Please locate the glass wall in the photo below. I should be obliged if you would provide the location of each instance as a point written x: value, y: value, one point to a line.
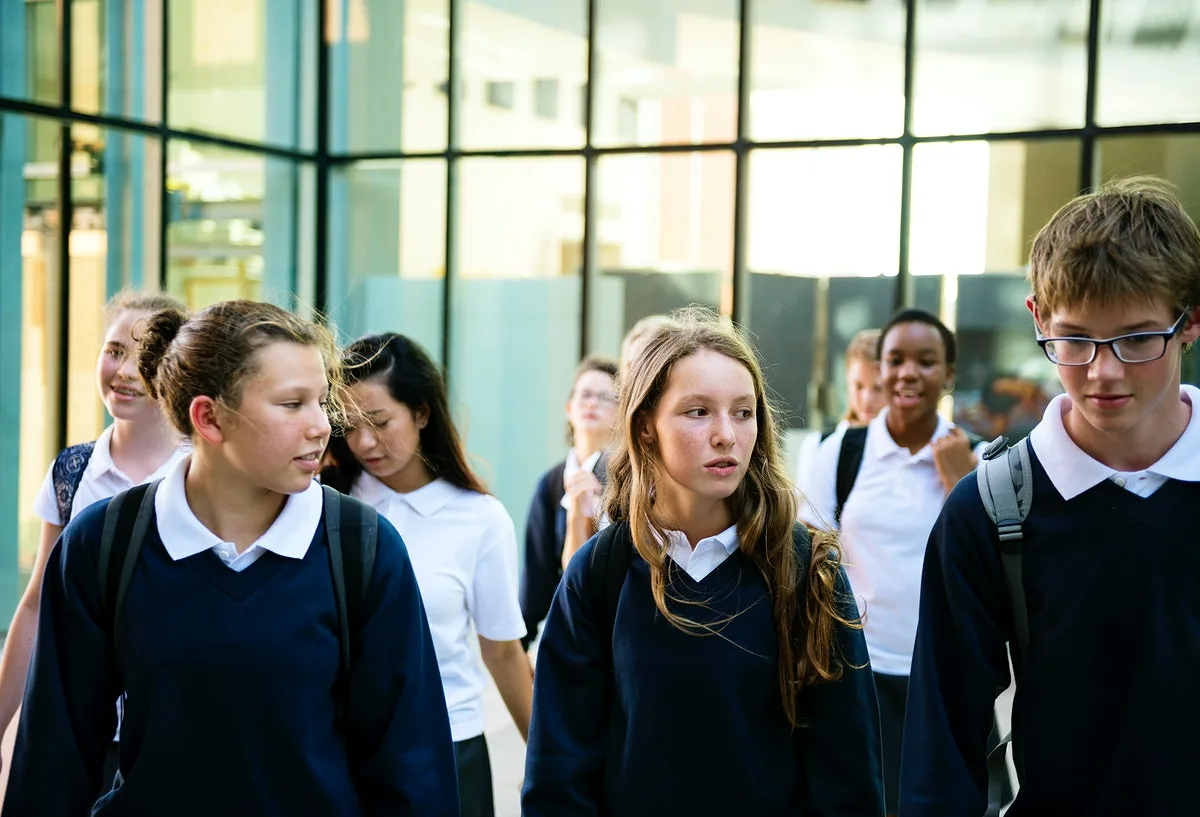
x: 513, y: 183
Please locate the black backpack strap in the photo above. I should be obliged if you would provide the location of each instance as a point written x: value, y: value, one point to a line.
x: 352, y: 531
x: 609, y: 565
x: 126, y: 521
x: 850, y: 456
x: 66, y: 474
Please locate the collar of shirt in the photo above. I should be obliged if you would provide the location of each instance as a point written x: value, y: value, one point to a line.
x: 426, y: 500
x: 101, y: 461
x: 1072, y: 471
x: 183, y: 535
x: 708, y: 554
x: 880, y: 444
x: 572, y: 467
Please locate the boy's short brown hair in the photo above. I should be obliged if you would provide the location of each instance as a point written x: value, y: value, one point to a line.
x: 1129, y: 241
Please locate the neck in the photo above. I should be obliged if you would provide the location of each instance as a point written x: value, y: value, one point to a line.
x: 412, y: 477
x: 1134, y: 449
x: 913, y: 436
x: 585, y: 445
x: 139, y: 447
x: 696, y: 518
x: 225, y: 504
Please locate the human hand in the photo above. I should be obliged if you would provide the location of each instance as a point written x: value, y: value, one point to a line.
x: 583, y: 493
x: 953, y: 457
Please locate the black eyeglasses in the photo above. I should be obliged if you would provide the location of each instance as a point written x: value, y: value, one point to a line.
x: 1139, y: 347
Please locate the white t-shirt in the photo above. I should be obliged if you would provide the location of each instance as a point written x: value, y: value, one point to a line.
x: 463, y: 548
x: 885, y: 527
x: 101, y: 479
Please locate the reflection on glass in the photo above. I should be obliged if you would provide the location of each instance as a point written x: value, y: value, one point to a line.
x: 1174, y: 158
x: 664, y: 239
x: 826, y: 70
x: 231, y: 225
x: 116, y: 58
x: 389, y: 63
x: 1148, y: 63
x: 527, y: 68
x: 665, y: 75
x: 823, y: 245
x: 515, y: 323
x: 994, y: 67
x: 243, y: 69
x: 38, y: 19
x: 976, y: 207
x: 388, y: 243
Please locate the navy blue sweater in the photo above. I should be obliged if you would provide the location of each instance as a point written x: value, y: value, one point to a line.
x: 1106, y: 714
x: 230, y: 677
x: 693, y: 724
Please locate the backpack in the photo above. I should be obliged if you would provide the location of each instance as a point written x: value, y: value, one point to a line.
x: 66, y: 474
x: 850, y: 457
x: 351, y: 529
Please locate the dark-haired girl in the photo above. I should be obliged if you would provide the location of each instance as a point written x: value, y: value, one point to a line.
x: 731, y: 678
x: 403, y: 455
x: 910, y: 460
x: 225, y: 644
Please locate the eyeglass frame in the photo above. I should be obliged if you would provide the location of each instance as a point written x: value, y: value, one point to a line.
x: 1166, y: 335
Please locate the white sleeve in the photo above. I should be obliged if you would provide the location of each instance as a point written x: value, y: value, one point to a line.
x: 45, y: 503
x: 494, y: 604
x: 820, y: 492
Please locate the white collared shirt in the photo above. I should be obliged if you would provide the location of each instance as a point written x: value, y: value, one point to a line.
x: 572, y: 466
x: 1072, y: 471
x: 463, y: 549
x: 709, y: 553
x: 183, y: 535
x: 885, y: 527
x: 101, y: 479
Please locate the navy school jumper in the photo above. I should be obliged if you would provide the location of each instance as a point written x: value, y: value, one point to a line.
x: 687, y: 724
x: 1106, y: 718
x: 231, y: 705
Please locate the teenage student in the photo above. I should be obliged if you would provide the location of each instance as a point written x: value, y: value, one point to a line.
x: 730, y: 676
x: 403, y: 456
x: 909, y: 458
x: 1105, y: 716
x: 139, y: 446
x: 563, y: 512
x: 225, y: 644
x: 635, y: 340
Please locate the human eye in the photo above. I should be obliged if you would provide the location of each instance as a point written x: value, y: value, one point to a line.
x: 291, y: 404
x: 744, y: 414
x: 696, y: 412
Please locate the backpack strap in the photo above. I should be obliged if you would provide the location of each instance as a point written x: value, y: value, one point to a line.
x: 609, y: 565
x: 66, y: 474
x: 1006, y: 488
x: 352, y: 532
x: 850, y: 457
x: 126, y: 521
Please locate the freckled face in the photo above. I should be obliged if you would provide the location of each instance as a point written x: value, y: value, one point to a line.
x: 117, y: 377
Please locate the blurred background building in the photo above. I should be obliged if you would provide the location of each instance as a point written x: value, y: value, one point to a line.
x: 515, y: 182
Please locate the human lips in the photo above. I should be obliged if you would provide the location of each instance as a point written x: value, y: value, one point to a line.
x: 309, y: 461
x: 125, y: 392
x: 1109, y: 400
x: 905, y: 396
x: 721, y: 466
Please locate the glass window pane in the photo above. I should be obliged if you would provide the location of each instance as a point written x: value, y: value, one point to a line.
x: 826, y: 70
x: 116, y: 57
x: 388, y: 249
x: 29, y: 37
x: 232, y: 225
x: 994, y: 67
x: 664, y: 239
x: 1148, y: 63
x: 244, y: 69
x: 520, y: 69
x: 976, y: 207
x: 389, y: 63
x: 822, y: 259
x: 664, y: 75
x: 515, y: 316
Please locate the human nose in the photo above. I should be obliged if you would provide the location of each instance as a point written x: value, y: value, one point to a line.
x: 1105, y: 365
x: 128, y: 369
x: 722, y: 435
x: 319, y: 426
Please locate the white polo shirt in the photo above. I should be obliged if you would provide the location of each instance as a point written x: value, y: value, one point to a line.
x: 1072, y: 471
x: 463, y: 548
x: 885, y: 527
x: 101, y: 479
x: 184, y: 535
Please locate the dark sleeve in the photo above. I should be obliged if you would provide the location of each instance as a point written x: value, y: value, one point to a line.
x: 960, y: 663
x: 68, y: 715
x: 398, y: 729
x: 840, y: 743
x: 572, y: 697
x: 543, y: 557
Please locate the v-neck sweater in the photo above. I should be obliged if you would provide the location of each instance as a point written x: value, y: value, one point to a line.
x: 233, y: 704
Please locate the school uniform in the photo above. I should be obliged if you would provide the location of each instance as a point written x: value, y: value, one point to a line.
x: 1105, y: 713
x: 101, y: 479
x: 884, y: 527
x: 545, y: 535
x: 230, y: 669
x: 464, y: 554
x: 654, y: 720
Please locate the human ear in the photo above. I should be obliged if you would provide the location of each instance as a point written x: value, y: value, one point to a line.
x: 1191, y: 330
x: 204, y: 412
x: 421, y: 416
x: 645, y: 431
x: 1031, y: 305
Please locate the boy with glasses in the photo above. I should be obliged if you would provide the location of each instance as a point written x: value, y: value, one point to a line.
x: 1107, y: 704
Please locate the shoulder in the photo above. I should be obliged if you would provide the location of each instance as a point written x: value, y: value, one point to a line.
x: 551, y: 480
x: 73, y: 459
x: 81, y: 537
x: 489, y: 510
